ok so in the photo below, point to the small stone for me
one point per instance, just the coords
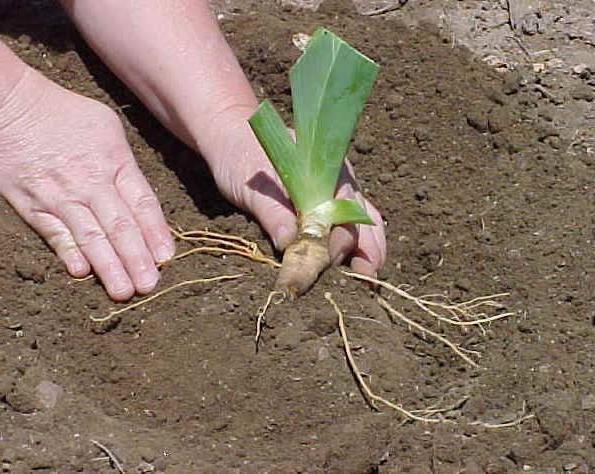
(147, 454)
(463, 284)
(546, 131)
(30, 271)
(538, 67)
(554, 142)
(422, 194)
(530, 25)
(363, 147)
(21, 401)
(478, 121)
(583, 92)
(48, 394)
(385, 178)
(393, 101)
(421, 135)
(403, 170)
(323, 354)
(582, 70)
(145, 468)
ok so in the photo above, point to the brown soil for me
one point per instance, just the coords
(480, 195)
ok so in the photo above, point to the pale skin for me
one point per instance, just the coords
(66, 168)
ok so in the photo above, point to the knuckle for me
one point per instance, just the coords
(69, 205)
(121, 225)
(91, 236)
(146, 203)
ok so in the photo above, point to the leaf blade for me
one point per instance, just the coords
(341, 211)
(330, 83)
(269, 128)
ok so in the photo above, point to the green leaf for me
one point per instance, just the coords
(340, 211)
(330, 85)
(279, 146)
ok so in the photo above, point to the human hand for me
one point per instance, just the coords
(66, 167)
(247, 179)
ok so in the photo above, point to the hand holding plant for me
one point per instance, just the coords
(330, 85)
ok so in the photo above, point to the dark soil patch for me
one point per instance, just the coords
(480, 197)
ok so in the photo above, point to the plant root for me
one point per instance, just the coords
(223, 244)
(303, 262)
(370, 396)
(218, 244)
(163, 292)
(261, 315)
(508, 424)
(113, 459)
(460, 314)
(393, 313)
(463, 314)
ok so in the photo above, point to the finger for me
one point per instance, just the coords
(144, 205)
(126, 238)
(342, 241)
(277, 220)
(343, 238)
(55, 233)
(95, 246)
(379, 233)
(263, 197)
(370, 252)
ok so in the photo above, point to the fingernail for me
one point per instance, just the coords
(164, 252)
(121, 291)
(148, 281)
(77, 268)
(282, 237)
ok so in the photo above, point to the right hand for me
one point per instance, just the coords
(67, 169)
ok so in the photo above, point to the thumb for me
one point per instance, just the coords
(246, 178)
(274, 213)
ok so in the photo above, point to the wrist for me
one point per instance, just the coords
(215, 139)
